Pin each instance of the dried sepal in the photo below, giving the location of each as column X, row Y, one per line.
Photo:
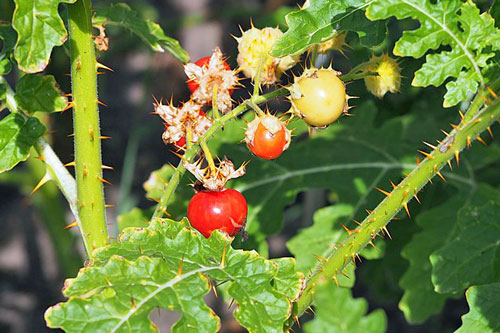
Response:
column 215, row 179
column 215, row 72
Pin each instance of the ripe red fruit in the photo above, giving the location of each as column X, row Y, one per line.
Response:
column 267, row 145
column 203, row 62
column 224, row 210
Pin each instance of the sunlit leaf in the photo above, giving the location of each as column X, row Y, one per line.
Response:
column 39, row 93
column 484, row 307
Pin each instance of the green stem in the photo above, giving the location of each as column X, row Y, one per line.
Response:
column 86, row 123
column 357, row 76
column 377, row 220
column 192, row 151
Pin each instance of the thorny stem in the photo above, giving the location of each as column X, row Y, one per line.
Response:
column 398, row 198
column 191, row 152
column 86, row 125
column 55, row 168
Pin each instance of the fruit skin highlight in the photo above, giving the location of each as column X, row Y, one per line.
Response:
column 224, row 210
column 253, row 49
column 267, row 137
column 318, row 96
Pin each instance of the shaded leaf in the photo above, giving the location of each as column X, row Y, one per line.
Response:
column 39, row 93
column 420, row 300
column 167, row 265
column 39, row 29
column 320, row 21
column 17, row 135
column 151, row 33
column 337, row 311
column 484, row 304
column 134, row 218
column 456, row 24
column 8, row 35
column 472, row 256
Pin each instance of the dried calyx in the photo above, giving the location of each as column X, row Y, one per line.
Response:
column 181, row 120
column 214, row 179
column 215, row 72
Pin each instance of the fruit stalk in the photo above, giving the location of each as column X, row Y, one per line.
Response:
column 86, row 125
column 398, row 198
column 194, row 149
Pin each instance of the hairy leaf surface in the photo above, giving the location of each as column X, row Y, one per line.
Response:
column 39, row 93
column 39, row 28
column 168, row 265
column 17, row 135
column 468, row 37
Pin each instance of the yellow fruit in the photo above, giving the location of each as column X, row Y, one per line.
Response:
column 388, row 78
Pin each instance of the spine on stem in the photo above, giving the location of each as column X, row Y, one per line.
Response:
column 88, row 166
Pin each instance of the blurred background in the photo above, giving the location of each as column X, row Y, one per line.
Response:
column 36, row 256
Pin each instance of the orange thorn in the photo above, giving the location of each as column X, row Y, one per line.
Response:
column 405, row 193
column 102, row 103
column 449, row 164
column 384, row 228
column 405, row 205
column 373, row 245
column 102, row 180
column 70, row 164
column 461, row 114
column 444, row 132
column 85, row 171
column 320, row 257
column 392, row 184
column 429, row 156
column 223, row 260
column 416, row 197
column 489, row 131
column 457, row 157
column 441, row 176
column 99, row 65
column 68, row 95
column 455, row 127
column 418, row 161
column 155, row 200
column 468, row 142
column 44, row 180
column 349, row 232
column 41, row 158
column 475, row 121
column 296, row 320
column 478, row 138
column 91, row 132
column 105, row 167
column 179, row 271
column 357, row 222
column 103, row 137
column 382, row 191
column 69, row 106
column 74, row 224
column 109, row 206
column 492, row 92
column 70, row 135
column 429, row 145
column 336, row 281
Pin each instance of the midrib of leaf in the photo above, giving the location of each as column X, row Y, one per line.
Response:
column 452, row 35
column 160, row 288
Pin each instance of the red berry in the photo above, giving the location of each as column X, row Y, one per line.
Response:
column 224, row 210
column 203, row 62
column 266, row 144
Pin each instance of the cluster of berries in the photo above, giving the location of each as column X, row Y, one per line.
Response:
column 318, row 97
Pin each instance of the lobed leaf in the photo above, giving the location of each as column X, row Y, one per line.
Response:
column 39, row 93
column 39, row 29
column 337, row 311
column 17, row 136
column 167, row 265
column 467, row 36
column 151, row 33
column 319, row 21
column 472, row 255
column 484, row 304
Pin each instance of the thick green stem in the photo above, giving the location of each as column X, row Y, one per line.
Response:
column 193, row 150
column 86, row 124
column 377, row 220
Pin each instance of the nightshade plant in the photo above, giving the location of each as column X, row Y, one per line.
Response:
column 166, row 263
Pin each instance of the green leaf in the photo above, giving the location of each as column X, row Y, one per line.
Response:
column 484, row 304
column 473, row 254
column 39, row 93
column 453, row 23
column 3, row 93
column 420, row 300
column 337, row 311
column 17, row 135
column 134, row 218
column 39, row 29
column 167, row 265
column 8, row 35
column 320, row 20
column 151, row 33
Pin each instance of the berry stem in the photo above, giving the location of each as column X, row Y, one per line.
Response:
column 256, row 84
column 87, row 138
column 398, row 198
column 357, row 76
column 215, row 110
column 255, row 107
column 190, row 153
column 208, row 156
